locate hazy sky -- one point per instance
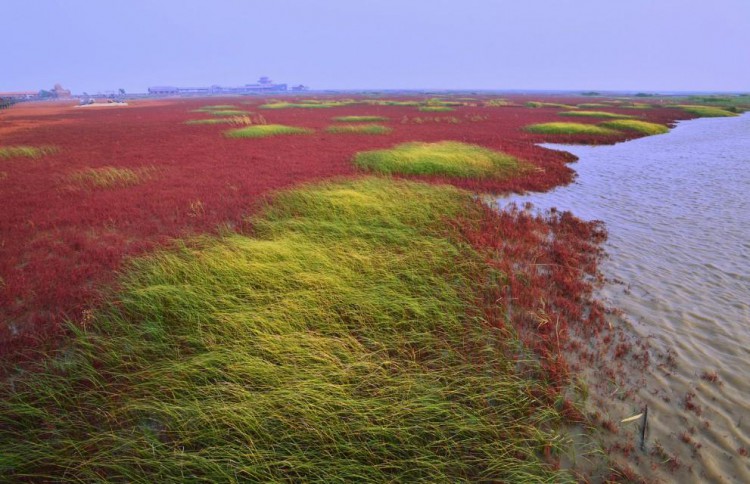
(655, 45)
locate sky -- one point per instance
(639, 45)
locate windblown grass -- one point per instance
(360, 119)
(569, 128)
(334, 345)
(445, 158)
(26, 151)
(359, 129)
(111, 177)
(263, 130)
(435, 108)
(595, 114)
(706, 111)
(639, 126)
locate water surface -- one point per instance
(677, 208)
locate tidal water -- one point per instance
(677, 209)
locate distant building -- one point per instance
(264, 84)
(19, 95)
(299, 88)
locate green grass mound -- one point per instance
(569, 128)
(538, 104)
(306, 105)
(445, 158)
(111, 177)
(435, 109)
(228, 112)
(706, 111)
(595, 114)
(26, 151)
(639, 126)
(263, 130)
(214, 107)
(333, 346)
(227, 120)
(594, 105)
(359, 129)
(360, 119)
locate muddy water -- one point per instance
(677, 208)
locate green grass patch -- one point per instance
(360, 119)
(706, 111)
(214, 107)
(263, 130)
(306, 105)
(494, 103)
(239, 120)
(111, 177)
(438, 109)
(594, 114)
(359, 129)
(221, 110)
(26, 151)
(538, 104)
(391, 102)
(445, 158)
(594, 105)
(569, 128)
(335, 345)
(228, 112)
(635, 125)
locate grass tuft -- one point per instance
(239, 120)
(445, 158)
(706, 111)
(595, 114)
(261, 131)
(639, 126)
(359, 129)
(439, 109)
(111, 177)
(333, 346)
(539, 104)
(569, 128)
(26, 151)
(360, 119)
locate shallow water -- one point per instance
(677, 208)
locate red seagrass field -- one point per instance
(63, 241)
